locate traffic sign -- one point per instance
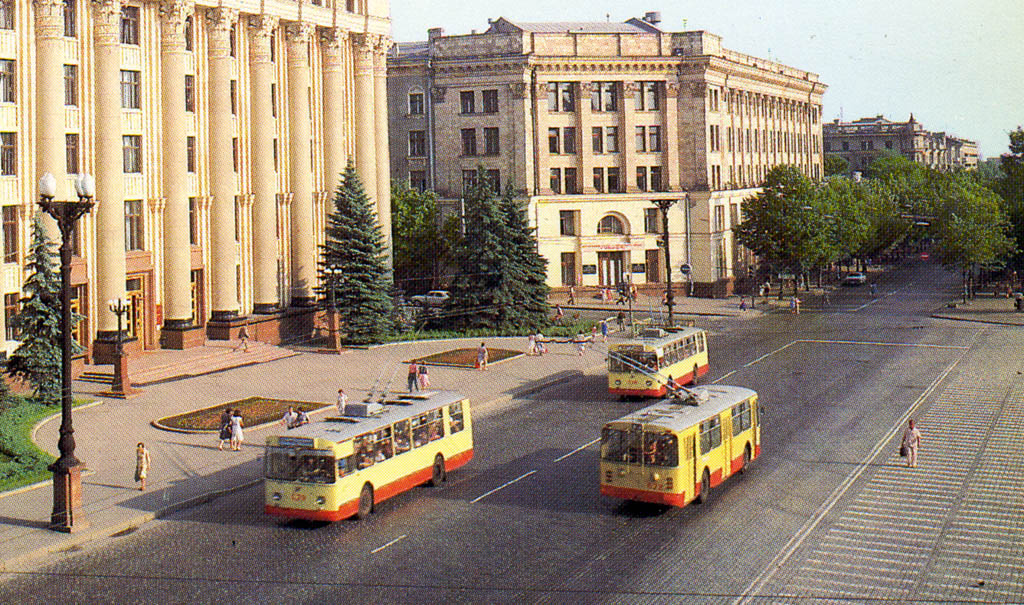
(685, 269)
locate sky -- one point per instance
(957, 66)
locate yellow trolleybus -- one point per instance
(674, 451)
(642, 366)
(342, 466)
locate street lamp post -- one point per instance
(332, 308)
(664, 205)
(122, 383)
(67, 470)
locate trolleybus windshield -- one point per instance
(298, 464)
(630, 359)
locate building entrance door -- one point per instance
(136, 293)
(609, 268)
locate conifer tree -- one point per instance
(38, 359)
(529, 267)
(356, 257)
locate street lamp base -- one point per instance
(67, 500)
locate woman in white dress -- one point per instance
(237, 437)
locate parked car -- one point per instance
(434, 298)
(855, 279)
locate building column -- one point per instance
(264, 176)
(380, 113)
(366, 140)
(303, 261)
(223, 250)
(670, 141)
(584, 147)
(628, 163)
(542, 164)
(334, 42)
(178, 331)
(109, 209)
(49, 100)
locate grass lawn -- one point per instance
(255, 411)
(569, 326)
(21, 462)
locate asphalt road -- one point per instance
(524, 520)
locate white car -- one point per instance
(434, 298)
(855, 279)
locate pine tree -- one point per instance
(38, 359)
(353, 260)
(530, 268)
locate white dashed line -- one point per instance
(519, 478)
(380, 548)
(579, 449)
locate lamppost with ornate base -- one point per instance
(333, 320)
(122, 386)
(664, 205)
(67, 470)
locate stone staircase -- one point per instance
(163, 366)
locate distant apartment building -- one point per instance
(593, 123)
(861, 141)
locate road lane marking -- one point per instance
(715, 381)
(519, 478)
(380, 548)
(812, 522)
(882, 344)
(580, 448)
(767, 355)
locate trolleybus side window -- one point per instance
(458, 421)
(402, 441)
(436, 430)
(661, 449)
(710, 434)
(740, 417)
(702, 344)
(363, 447)
(620, 446)
(382, 449)
(347, 465)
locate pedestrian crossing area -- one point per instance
(951, 529)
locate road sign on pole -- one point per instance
(685, 269)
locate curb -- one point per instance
(975, 320)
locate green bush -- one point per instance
(569, 328)
(21, 462)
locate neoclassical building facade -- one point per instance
(595, 124)
(863, 140)
(216, 132)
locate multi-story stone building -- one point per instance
(861, 141)
(594, 123)
(216, 132)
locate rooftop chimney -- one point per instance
(652, 17)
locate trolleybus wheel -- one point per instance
(437, 474)
(705, 487)
(746, 458)
(365, 502)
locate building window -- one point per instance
(417, 143)
(70, 85)
(8, 81)
(641, 138)
(613, 180)
(10, 234)
(490, 99)
(133, 225)
(493, 180)
(193, 221)
(468, 141)
(719, 218)
(190, 33)
(132, 147)
(130, 25)
(846, 145)
(568, 268)
(276, 168)
(604, 96)
(131, 89)
(190, 153)
(467, 101)
(567, 221)
(647, 98)
(468, 180)
(654, 138)
(8, 153)
(273, 47)
(6, 14)
(561, 97)
(233, 41)
(418, 180)
(11, 308)
(611, 225)
(712, 99)
(416, 103)
(234, 153)
(492, 145)
(234, 97)
(569, 140)
(652, 220)
(611, 139)
(714, 140)
(599, 180)
(656, 184)
(554, 140)
(70, 17)
(641, 178)
(238, 222)
(190, 93)
(888, 145)
(597, 139)
(73, 153)
(570, 181)
(556, 180)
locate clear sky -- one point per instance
(957, 65)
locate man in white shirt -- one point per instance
(342, 402)
(290, 418)
(911, 441)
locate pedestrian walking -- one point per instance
(342, 402)
(225, 428)
(531, 344)
(632, 292)
(911, 441)
(142, 462)
(581, 343)
(604, 330)
(302, 417)
(620, 317)
(825, 301)
(412, 379)
(794, 305)
(424, 377)
(541, 347)
(743, 303)
(559, 314)
(290, 418)
(243, 340)
(237, 436)
(572, 295)
(874, 291)
(481, 357)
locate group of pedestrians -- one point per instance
(418, 378)
(231, 429)
(293, 419)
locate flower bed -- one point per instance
(466, 358)
(255, 411)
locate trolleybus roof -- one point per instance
(397, 406)
(655, 342)
(679, 414)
